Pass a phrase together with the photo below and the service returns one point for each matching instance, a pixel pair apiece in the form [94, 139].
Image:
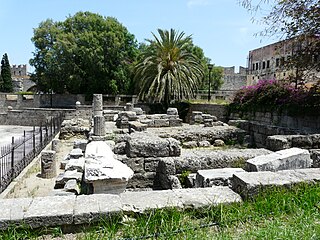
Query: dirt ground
[32, 184]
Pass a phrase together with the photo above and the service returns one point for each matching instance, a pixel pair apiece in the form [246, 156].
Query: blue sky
[222, 28]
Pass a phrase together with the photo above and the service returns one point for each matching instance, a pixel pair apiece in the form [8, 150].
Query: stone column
[55, 145]
[48, 164]
[97, 105]
[99, 126]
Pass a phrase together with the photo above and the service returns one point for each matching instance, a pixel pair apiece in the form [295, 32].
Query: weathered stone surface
[131, 201]
[13, 211]
[138, 126]
[215, 177]
[146, 145]
[165, 169]
[138, 111]
[75, 128]
[204, 144]
[136, 164]
[194, 160]
[129, 107]
[75, 153]
[175, 122]
[80, 143]
[103, 171]
[50, 211]
[218, 143]
[142, 180]
[248, 184]
[55, 145]
[292, 158]
[48, 164]
[72, 186]
[161, 123]
[208, 122]
[92, 208]
[174, 182]
[315, 156]
[172, 111]
[190, 144]
[151, 164]
[75, 164]
[301, 141]
[120, 148]
[66, 176]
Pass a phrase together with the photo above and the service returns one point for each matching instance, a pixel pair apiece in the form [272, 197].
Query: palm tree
[167, 69]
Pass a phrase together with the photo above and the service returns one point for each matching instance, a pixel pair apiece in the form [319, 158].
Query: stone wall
[233, 80]
[220, 111]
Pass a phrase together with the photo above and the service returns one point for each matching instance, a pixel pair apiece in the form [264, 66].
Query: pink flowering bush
[275, 95]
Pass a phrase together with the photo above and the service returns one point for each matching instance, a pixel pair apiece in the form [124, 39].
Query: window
[282, 61]
[277, 62]
[257, 66]
[268, 64]
[253, 67]
[263, 65]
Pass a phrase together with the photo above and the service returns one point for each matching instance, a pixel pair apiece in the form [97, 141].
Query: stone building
[233, 80]
[19, 70]
[269, 62]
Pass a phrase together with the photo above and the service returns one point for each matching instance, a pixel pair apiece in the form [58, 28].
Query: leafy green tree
[167, 69]
[86, 53]
[6, 80]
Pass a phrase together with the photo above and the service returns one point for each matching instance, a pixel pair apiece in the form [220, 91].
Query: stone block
[151, 164]
[55, 145]
[301, 141]
[99, 126]
[131, 201]
[204, 144]
[248, 184]
[208, 122]
[190, 144]
[76, 153]
[146, 145]
[138, 111]
[278, 142]
[136, 164]
[80, 143]
[93, 208]
[172, 111]
[66, 176]
[138, 126]
[161, 123]
[120, 148]
[72, 186]
[215, 177]
[175, 122]
[142, 180]
[13, 211]
[293, 158]
[50, 211]
[75, 164]
[97, 105]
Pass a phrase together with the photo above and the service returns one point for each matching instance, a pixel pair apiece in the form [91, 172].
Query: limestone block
[138, 126]
[301, 141]
[129, 107]
[50, 211]
[151, 164]
[175, 122]
[48, 164]
[215, 177]
[93, 208]
[278, 142]
[208, 122]
[190, 144]
[218, 143]
[13, 211]
[66, 176]
[80, 143]
[172, 111]
[203, 197]
[120, 148]
[99, 149]
[72, 186]
[136, 164]
[161, 123]
[76, 153]
[138, 111]
[75, 164]
[293, 158]
[315, 138]
[142, 180]
[248, 184]
[146, 145]
[131, 201]
[204, 144]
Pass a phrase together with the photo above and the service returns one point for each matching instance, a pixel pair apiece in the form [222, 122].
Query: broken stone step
[249, 184]
[292, 158]
[215, 177]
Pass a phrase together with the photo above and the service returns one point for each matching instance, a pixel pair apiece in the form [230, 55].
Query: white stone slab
[94, 207]
[12, 211]
[148, 200]
[292, 158]
[50, 211]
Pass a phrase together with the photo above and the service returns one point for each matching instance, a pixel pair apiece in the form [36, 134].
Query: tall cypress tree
[6, 85]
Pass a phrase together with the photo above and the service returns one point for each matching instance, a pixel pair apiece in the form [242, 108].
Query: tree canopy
[168, 69]
[86, 53]
[5, 79]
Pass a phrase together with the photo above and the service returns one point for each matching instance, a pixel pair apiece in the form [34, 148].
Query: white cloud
[192, 3]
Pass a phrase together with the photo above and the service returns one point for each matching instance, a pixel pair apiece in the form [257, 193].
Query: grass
[204, 101]
[278, 213]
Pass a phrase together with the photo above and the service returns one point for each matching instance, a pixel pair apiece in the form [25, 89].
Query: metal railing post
[12, 158]
[34, 141]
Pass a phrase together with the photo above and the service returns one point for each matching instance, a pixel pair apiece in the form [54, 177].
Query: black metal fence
[16, 156]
